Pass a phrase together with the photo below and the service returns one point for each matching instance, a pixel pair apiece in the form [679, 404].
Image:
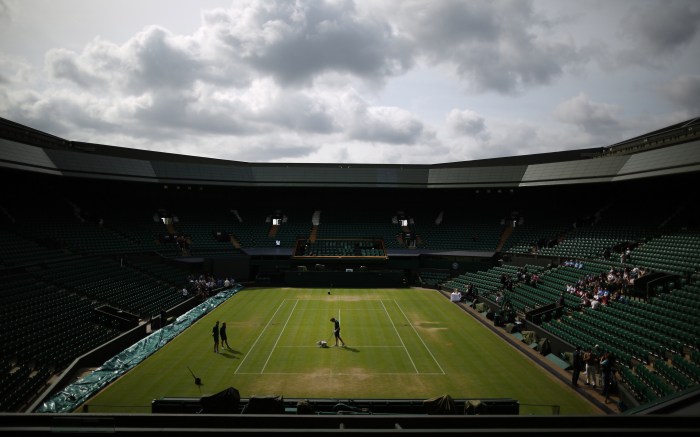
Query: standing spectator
[606, 370]
[577, 366]
[590, 358]
[215, 334]
[222, 334]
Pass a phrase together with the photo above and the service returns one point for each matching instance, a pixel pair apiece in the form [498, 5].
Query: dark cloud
[6, 12]
[386, 125]
[295, 42]
[299, 112]
[64, 64]
[661, 28]
[684, 93]
[494, 46]
[601, 121]
[61, 114]
[466, 122]
[153, 59]
[53, 126]
[157, 60]
[169, 115]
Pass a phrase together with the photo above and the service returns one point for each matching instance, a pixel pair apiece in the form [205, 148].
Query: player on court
[336, 331]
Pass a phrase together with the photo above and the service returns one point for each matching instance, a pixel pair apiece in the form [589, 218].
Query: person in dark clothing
[336, 331]
[215, 334]
[577, 366]
[222, 334]
[607, 370]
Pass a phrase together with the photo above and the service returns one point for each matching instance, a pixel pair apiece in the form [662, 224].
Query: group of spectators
[204, 286]
[183, 244]
[600, 289]
[521, 276]
[598, 367]
[573, 263]
[624, 249]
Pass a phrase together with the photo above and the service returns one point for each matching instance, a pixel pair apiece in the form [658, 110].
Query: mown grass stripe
[419, 337]
[286, 322]
[399, 336]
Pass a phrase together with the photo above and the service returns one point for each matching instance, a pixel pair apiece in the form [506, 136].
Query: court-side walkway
[591, 394]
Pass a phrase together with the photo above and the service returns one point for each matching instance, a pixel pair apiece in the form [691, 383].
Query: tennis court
[400, 344]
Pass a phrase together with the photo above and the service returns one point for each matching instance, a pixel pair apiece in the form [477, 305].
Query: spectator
[577, 365]
[590, 358]
[607, 371]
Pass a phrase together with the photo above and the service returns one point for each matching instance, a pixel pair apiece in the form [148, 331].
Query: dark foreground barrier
[175, 425]
[443, 405]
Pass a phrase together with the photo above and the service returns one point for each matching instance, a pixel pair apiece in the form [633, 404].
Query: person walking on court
[336, 331]
[222, 334]
[215, 334]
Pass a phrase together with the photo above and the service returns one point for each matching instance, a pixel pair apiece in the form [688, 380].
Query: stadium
[464, 289]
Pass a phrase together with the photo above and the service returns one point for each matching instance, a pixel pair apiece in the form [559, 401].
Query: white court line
[259, 335]
[419, 337]
[400, 339]
[279, 336]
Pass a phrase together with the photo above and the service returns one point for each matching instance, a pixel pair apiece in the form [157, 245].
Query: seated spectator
[586, 301]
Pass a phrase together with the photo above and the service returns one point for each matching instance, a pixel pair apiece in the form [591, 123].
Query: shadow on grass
[351, 349]
[231, 353]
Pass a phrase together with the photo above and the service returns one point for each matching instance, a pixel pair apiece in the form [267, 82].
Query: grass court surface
[401, 344]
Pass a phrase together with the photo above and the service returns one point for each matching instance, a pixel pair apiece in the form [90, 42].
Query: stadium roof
[673, 150]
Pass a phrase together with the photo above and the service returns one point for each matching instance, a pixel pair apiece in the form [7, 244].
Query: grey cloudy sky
[364, 81]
